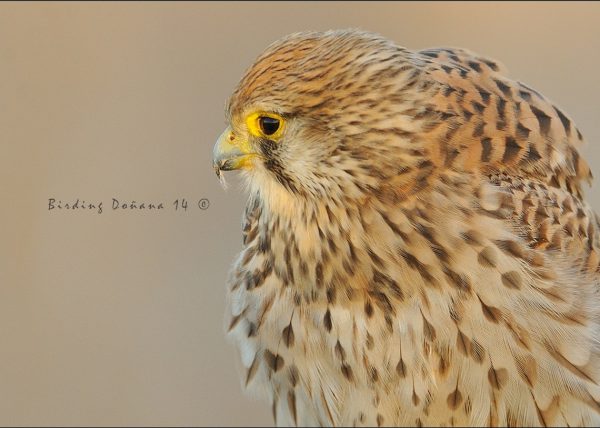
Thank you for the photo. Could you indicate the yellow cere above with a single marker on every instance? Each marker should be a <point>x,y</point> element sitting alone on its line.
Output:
<point>242,143</point>
<point>253,124</point>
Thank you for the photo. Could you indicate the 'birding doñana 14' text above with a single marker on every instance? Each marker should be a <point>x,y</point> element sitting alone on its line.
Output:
<point>99,207</point>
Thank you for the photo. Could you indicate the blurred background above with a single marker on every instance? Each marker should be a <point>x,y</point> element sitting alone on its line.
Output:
<point>117,318</point>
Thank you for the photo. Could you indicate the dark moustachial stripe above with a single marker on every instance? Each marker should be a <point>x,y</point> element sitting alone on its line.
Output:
<point>269,150</point>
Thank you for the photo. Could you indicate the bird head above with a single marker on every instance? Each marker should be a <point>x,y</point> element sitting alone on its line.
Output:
<point>320,114</point>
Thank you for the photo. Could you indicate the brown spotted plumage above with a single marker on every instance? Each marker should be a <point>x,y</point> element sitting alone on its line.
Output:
<point>417,249</point>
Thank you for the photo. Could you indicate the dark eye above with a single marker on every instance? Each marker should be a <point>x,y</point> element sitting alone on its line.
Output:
<point>268,125</point>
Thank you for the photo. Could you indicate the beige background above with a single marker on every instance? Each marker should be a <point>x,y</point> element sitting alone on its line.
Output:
<point>116,319</point>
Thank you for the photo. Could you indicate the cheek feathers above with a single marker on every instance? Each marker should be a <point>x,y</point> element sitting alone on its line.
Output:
<point>270,150</point>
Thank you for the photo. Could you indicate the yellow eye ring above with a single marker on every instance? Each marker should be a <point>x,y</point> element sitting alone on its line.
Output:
<point>265,125</point>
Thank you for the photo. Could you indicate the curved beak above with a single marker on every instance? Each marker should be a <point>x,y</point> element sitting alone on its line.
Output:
<point>231,152</point>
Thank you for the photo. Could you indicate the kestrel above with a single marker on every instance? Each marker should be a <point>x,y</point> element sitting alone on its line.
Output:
<point>417,249</point>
